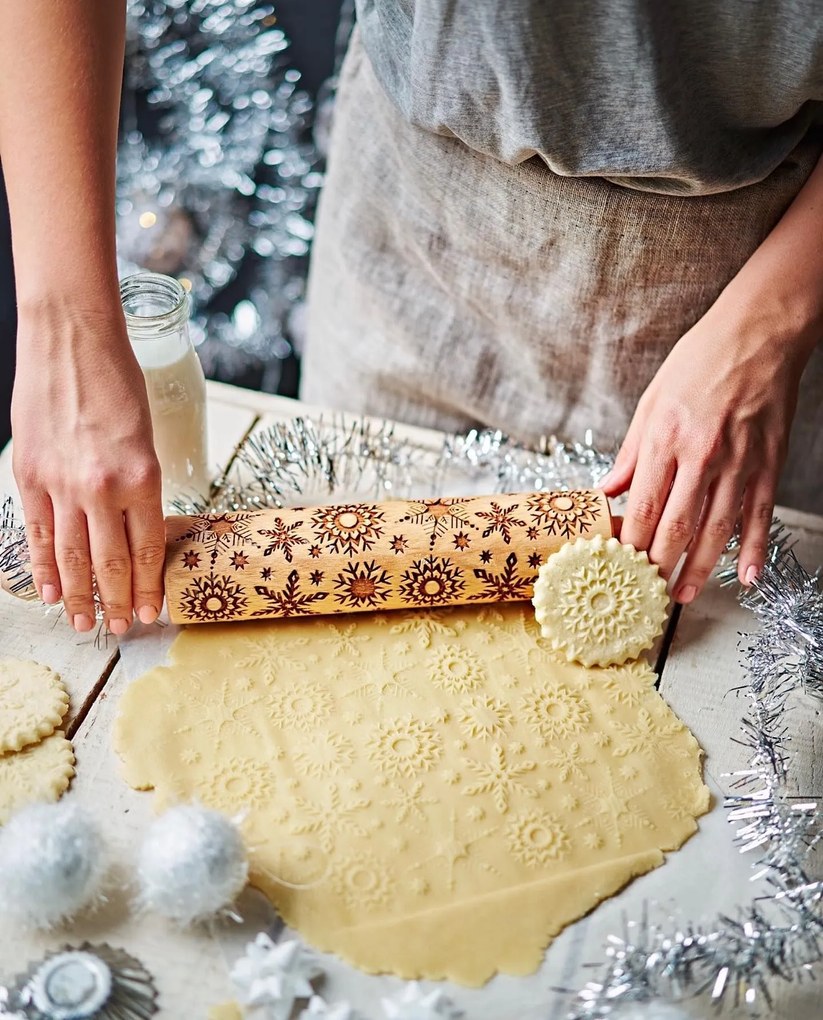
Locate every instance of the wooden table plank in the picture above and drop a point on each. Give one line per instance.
(82, 660)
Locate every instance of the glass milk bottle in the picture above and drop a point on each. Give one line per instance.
(157, 319)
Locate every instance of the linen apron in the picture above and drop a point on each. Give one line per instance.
(451, 290)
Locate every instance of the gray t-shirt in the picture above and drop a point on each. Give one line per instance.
(673, 96)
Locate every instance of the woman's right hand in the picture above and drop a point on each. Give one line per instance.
(85, 464)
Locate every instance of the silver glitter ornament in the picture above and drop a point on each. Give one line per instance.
(71, 985)
(726, 572)
(313, 459)
(84, 983)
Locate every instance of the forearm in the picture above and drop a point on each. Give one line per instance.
(61, 64)
(784, 276)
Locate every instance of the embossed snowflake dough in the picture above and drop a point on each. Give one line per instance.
(33, 702)
(449, 793)
(599, 602)
(36, 763)
(39, 772)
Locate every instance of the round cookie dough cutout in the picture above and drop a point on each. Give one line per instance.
(33, 702)
(40, 772)
(600, 603)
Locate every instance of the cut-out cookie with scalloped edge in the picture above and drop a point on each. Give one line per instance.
(600, 603)
(40, 772)
(33, 702)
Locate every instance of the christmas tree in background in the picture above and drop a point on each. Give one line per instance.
(218, 175)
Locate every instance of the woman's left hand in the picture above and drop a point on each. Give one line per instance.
(708, 439)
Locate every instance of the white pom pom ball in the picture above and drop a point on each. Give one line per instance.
(52, 864)
(192, 864)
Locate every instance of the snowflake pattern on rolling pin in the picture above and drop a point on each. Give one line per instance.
(564, 513)
(358, 557)
(431, 581)
(213, 597)
(290, 600)
(283, 538)
(438, 517)
(219, 532)
(349, 529)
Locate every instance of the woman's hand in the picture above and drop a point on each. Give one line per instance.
(85, 465)
(708, 438)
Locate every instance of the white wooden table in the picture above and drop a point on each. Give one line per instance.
(698, 671)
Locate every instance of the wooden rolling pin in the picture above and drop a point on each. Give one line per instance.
(365, 556)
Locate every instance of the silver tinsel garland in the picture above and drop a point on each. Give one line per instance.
(779, 937)
(216, 170)
(14, 553)
(334, 457)
(516, 468)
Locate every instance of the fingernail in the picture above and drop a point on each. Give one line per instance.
(118, 626)
(50, 594)
(751, 575)
(686, 594)
(82, 623)
(606, 479)
(147, 614)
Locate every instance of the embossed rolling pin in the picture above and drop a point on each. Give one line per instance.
(368, 556)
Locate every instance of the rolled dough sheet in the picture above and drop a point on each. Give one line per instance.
(448, 792)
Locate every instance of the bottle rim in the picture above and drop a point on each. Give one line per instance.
(166, 298)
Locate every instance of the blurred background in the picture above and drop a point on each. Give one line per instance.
(225, 117)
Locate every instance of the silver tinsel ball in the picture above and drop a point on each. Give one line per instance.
(52, 864)
(192, 864)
